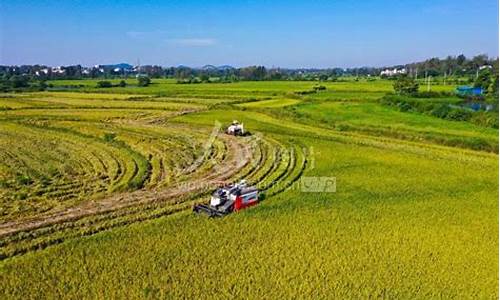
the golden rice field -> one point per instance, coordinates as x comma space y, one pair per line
97, 185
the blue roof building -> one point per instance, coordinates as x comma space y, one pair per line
469, 91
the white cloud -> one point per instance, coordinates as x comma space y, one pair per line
193, 42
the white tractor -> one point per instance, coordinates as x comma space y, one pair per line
236, 129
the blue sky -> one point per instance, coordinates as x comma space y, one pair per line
271, 33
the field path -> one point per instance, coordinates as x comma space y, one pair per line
238, 155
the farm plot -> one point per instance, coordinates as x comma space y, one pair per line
273, 173
270, 103
385, 232
84, 164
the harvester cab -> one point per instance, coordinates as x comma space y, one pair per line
236, 129
229, 198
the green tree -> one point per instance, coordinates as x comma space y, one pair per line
479, 60
323, 77
143, 81
405, 85
42, 85
204, 77
19, 81
494, 88
104, 84
122, 83
483, 80
461, 59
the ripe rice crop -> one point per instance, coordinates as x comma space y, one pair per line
96, 187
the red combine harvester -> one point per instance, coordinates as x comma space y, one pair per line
230, 198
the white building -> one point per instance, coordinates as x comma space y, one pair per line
58, 70
393, 72
44, 71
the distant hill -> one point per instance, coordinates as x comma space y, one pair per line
209, 68
225, 67
217, 68
120, 65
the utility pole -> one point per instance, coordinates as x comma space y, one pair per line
429, 83
416, 73
138, 68
427, 80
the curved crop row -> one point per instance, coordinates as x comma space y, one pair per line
271, 164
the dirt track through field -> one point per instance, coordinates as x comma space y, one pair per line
238, 155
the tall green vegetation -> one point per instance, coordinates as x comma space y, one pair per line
487, 80
143, 81
19, 83
405, 85
104, 84
483, 80
494, 88
445, 108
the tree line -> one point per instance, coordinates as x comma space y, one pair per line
452, 66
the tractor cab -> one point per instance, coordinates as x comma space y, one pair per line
236, 128
219, 197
